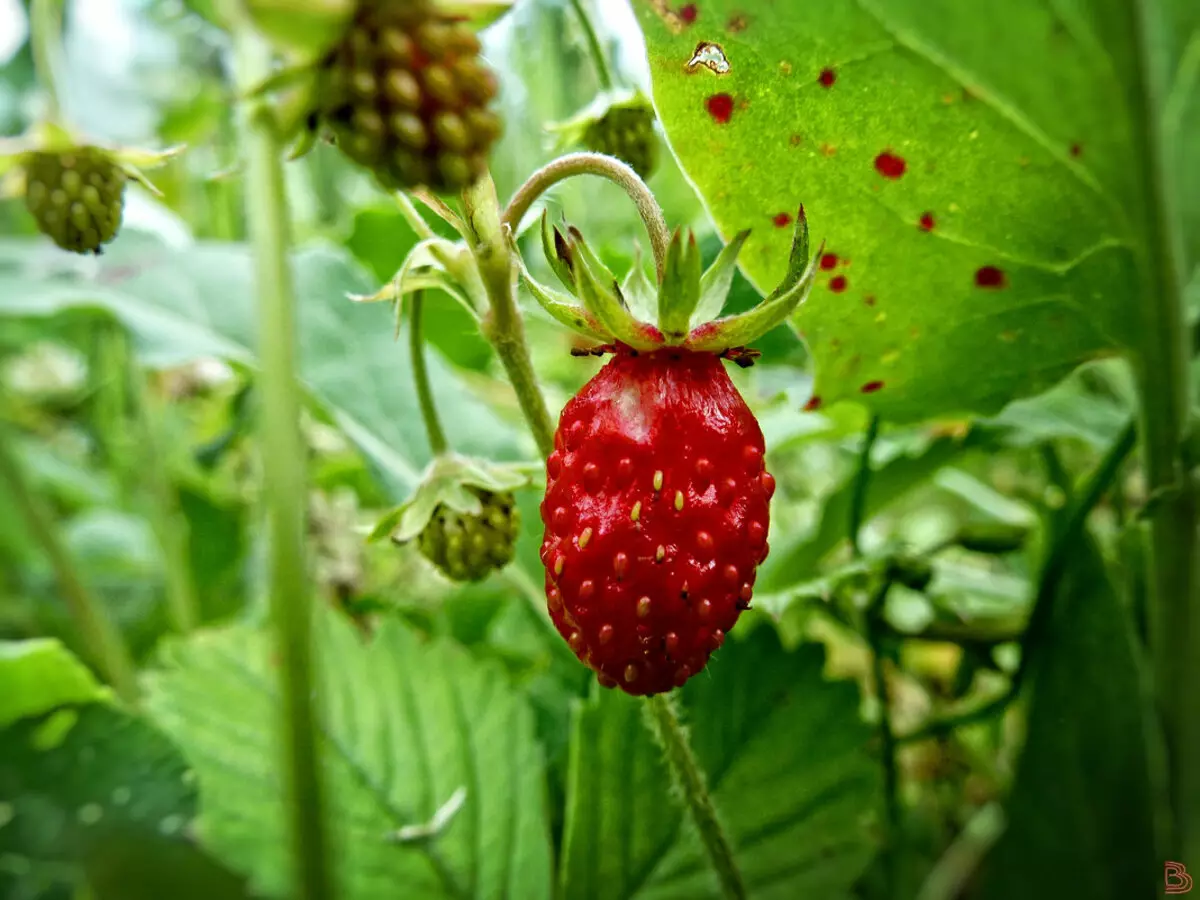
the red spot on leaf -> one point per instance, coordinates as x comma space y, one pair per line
814, 402
782, 220
927, 222
828, 260
869, 299
720, 107
1076, 149
990, 277
871, 387
827, 77
889, 165
688, 13
837, 283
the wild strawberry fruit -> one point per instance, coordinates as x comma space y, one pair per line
616, 123
76, 196
656, 505
469, 546
656, 516
405, 94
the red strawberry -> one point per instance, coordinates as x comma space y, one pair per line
656, 515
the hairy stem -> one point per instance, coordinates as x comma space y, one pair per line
103, 640
1165, 387
416, 344
284, 474
503, 325
45, 20
690, 781
599, 60
604, 167
858, 498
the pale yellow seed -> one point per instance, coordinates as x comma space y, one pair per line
679, 500
660, 553
658, 480
636, 512
558, 565
584, 537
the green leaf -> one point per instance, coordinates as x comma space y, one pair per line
407, 724
1011, 131
785, 755
1080, 817
181, 305
39, 675
110, 777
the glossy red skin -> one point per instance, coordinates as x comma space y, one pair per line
677, 412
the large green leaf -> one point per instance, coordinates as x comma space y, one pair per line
972, 167
38, 675
407, 724
199, 301
787, 763
1080, 818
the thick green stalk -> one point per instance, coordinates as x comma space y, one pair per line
45, 17
284, 473
689, 778
503, 325
416, 345
1164, 385
595, 50
99, 634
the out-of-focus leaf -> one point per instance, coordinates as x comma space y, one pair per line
786, 758
1080, 817
39, 675
407, 724
181, 305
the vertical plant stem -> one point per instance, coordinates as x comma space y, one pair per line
1165, 386
45, 19
284, 473
595, 50
689, 778
103, 640
429, 414
858, 497
887, 735
503, 325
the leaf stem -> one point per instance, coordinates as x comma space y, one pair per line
604, 167
284, 473
1053, 570
416, 344
689, 778
603, 73
103, 640
1165, 386
858, 496
503, 325
413, 217
45, 23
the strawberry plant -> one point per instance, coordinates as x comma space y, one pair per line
600, 450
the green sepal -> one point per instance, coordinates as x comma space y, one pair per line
433, 264
560, 306
558, 254
718, 279
446, 482
679, 292
308, 28
601, 296
641, 295
741, 329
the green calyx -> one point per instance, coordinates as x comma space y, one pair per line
463, 516
682, 310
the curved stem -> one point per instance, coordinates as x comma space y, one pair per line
858, 498
104, 642
284, 476
604, 167
689, 779
433, 426
603, 73
413, 217
45, 18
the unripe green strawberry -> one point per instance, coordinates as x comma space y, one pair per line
468, 547
405, 94
76, 196
626, 132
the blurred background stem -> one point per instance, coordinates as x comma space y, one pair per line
595, 50
45, 21
429, 414
283, 471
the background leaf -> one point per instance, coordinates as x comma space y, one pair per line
970, 167
407, 724
787, 763
38, 675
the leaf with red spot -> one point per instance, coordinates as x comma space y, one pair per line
979, 164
